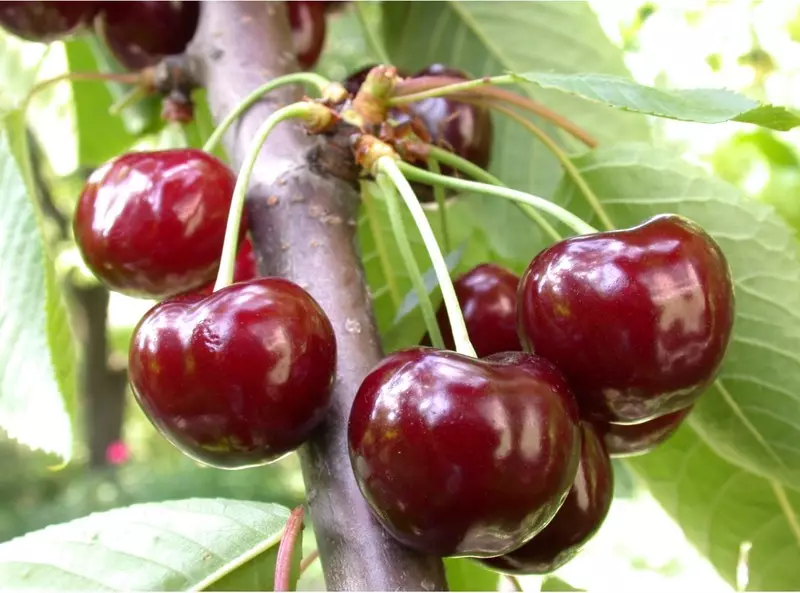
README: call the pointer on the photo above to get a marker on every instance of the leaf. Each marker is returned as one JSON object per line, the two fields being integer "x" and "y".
{"x": 410, "y": 301}
{"x": 36, "y": 347}
{"x": 708, "y": 106}
{"x": 194, "y": 544}
{"x": 487, "y": 38}
{"x": 552, "y": 583}
{"x": 100, "y": 135}
{"x": 464, "y": 574}
{"x": 751, "y": 415}
{"x": 726, "y": 511}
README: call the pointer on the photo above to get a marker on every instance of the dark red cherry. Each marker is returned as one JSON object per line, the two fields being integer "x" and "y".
{"x": 488, "y": 298}
{"x": 576, "y": 522}
{"x": 458, "y": 456}
{"x": 237, "y": 378}
{"x": 140, "y": 33}
{"x": 627, "y": 440}
{"x": 465, "y": 129}
{"x": 152, "y": 224}
{"x": 638, "y": 319}
{"x": 244, "y": 267}
{"x": 307, "y": 19}
{"x": 45, "y": 21}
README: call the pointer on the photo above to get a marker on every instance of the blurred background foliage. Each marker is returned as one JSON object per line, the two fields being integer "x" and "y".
{"x": 753, "y": 47}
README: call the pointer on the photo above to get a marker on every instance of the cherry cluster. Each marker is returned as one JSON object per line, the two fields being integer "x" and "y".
{"x": 599, "y": 350}
{"x": 139, "y": 34}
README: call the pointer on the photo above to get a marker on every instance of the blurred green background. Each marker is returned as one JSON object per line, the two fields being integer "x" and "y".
{"x": 753, "y": 47}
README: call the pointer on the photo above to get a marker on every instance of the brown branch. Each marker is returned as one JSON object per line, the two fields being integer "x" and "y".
{"x": 302, "y": 211}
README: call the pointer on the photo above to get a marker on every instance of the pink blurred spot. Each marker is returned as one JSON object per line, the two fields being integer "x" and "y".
{"x": 117, "y": 453}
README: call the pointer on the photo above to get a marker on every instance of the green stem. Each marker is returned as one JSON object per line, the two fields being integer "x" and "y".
{"x": 456, "y": 162}
{"x": 231, "y": 244}
{"x": 398, "y": 229}
{"x": 565, "y": 161}
{"x": 454, "y": 88}
{"x": 565, "y": 216}
{"x": 386, "y": 165}
{"x": 372, "y": 40}
{"x": 438, "y": 194}
{"x": 309, "y": 78}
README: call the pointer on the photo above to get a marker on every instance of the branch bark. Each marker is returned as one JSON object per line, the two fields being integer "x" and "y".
{"x": 302, "y": 209}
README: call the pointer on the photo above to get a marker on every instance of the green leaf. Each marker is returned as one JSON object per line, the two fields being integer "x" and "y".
{"x": 552, "y": 583}
{"x": 194, "y": 544}
{"x": 734, "y": 518}
{"x": 708, "y": 106}
{"x": 100, "y": 135}
{"x": 751, "y": 415}
{"x": 464, "y": 574}
{"x": 489, "y": 38}
{"x": 36, "y": 347}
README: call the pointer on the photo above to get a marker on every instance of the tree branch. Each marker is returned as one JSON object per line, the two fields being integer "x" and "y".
{"x": 302, "y": 212}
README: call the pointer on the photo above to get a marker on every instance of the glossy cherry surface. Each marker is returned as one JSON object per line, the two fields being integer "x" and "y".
{"x": 627, "y": 440}
{"x": 576, "y": 522}
{"x": 307, "y": 19}
{"x": 45, "y": 21}
{"x": 140, "y": 33}
{"x": 465, "y": 129}
{"x": 458, "y": 456}
{"x": 638, "y": 319}
{"x": 238, "y": 378}
{"x": 152, "y": 224}
{"x": 488, "y": 298}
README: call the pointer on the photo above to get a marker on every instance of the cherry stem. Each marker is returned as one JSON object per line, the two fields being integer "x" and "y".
{"x": 380, "y": 246}
{"x": 301, "y": 110}
{"x": 568, "y": 218}
{"x": 308, "y": 561}
{"x": 389, "y": 191}
{"x": 126, "y": 78}
{"x": 457, "y": 89}
{"x": 438, "y": 194}
{"x": 372, "y": 40}
{"x": 387, "y": 165}
{"x": 283, "y": 563}
{"x": 468, "y": 168}
{"x": 308, "y": 78}
{"x": 133, "y": 95}
{"x": 514, "y": 582}
{"x": 565, "y": 161}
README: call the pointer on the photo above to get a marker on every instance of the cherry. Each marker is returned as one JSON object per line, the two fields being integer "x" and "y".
{"x": 139, "y": 34}
{"x": 152, "y": 224}
{"x": 488, "y": 298}
{"x": 307, "y": 19}
{"x": 627, "y": 440}
{"x": 638, "y": 319}
{"x": 575, "y": 523}
{"x": 238, "y": 378}
{"x": 462, "y": 128}
{"x": 458, "y": 456}
{"x": 244, "y": 267}
{"x": 45, "y": 21}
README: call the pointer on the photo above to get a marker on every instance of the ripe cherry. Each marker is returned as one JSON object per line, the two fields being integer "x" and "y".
{"x": 627, "y": 440}
{"x": 140, "y": 33}
{"x": 307, "y": 19}
{"x": 152, "y": 224}
{"x": 244, "y": 267}
{"x": 488, "y": 298}
{"x": 638, "y": 319}
{"x": 458, "y": 456}
{"x": 45, "y": 21}
{"x": 238, "y": 378}
{"x": 575, "y": 523}
{"x": 465, "y": 129}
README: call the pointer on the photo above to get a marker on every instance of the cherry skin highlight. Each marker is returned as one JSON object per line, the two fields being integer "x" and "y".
{"x": 638, "y": 320}
{"x": 575, "y": 523}
{"x": 458, "y": 456}
{"x": 238, "y": 378}
{"x": 152, "y": 224}
{"x": 627, "y": 440}
{"x": 488, "y": 298}
{"x": 46, "y": 21}
{"x": 307, "y": 19}
{"x": 139, "y": 34}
